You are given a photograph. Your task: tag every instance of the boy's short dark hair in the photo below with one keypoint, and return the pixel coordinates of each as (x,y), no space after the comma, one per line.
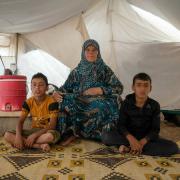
(40,75)
(142,76)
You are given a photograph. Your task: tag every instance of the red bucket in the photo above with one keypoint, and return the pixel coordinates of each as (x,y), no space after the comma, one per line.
(12,92)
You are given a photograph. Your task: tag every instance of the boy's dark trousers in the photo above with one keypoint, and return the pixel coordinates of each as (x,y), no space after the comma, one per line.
(158,147)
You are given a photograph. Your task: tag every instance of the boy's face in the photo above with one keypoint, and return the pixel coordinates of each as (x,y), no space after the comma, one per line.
(38,87)
(141,88)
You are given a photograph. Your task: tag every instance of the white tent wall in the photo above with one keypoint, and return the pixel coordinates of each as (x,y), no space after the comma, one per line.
(8,50)
(63,41)
(166,9)
(8,41)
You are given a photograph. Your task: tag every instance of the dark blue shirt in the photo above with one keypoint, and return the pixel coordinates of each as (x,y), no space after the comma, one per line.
(140,122)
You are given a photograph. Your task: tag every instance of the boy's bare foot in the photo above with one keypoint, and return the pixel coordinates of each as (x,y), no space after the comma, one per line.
(45,147)
(123,149)
(67,141)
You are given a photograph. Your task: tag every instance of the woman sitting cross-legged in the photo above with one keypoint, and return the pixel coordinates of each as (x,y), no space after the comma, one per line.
(90,97)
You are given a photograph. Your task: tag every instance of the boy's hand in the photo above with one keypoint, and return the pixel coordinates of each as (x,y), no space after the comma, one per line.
(93,91)
(19,142)
(143,142)
(134,144)
(57,96)
(30,140)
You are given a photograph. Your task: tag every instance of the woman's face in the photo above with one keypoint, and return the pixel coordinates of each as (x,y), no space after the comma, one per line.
(91,53)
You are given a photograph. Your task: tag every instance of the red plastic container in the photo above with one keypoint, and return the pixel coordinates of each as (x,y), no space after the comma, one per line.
(12,92)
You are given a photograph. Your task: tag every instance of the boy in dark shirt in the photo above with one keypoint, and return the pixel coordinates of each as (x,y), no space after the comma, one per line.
(139,123)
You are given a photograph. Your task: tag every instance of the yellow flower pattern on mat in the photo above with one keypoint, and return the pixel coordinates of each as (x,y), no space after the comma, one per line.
(50,177)
(153,177)
(164,163)
(77,163)
(77,150)
(77,177)
(54,163)
(143,164)
(59,149)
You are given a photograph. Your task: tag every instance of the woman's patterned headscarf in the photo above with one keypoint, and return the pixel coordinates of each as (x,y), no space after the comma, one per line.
(90,42)
(91,72)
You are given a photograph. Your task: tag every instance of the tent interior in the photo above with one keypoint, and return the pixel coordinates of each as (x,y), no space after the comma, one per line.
(129,43)
(134,36)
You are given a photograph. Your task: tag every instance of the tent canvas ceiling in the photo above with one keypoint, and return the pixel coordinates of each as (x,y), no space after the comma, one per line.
(20,16)
(167,10)
(33,15)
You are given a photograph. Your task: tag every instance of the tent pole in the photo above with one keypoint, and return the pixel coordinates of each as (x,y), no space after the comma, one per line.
(16,52)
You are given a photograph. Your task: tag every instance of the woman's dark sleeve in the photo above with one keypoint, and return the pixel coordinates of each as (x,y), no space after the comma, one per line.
(112,84)
(70,84)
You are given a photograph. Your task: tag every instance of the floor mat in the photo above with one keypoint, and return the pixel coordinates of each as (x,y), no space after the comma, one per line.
(84,160)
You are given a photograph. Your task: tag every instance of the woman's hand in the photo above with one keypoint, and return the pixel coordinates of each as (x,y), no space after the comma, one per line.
(93,91)
(57,96)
